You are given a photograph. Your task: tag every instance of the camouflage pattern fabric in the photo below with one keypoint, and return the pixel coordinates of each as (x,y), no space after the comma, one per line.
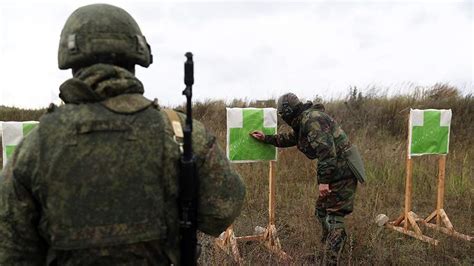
(334,246)
(318,136)
(340,202)
(330,211)
(94,186)
(99,82)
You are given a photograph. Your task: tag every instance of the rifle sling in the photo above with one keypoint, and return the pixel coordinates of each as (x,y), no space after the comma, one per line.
(175,123)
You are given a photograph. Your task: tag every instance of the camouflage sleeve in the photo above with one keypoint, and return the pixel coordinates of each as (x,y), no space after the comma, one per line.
(324,148)
(20,243)
(282,140)
(221,189)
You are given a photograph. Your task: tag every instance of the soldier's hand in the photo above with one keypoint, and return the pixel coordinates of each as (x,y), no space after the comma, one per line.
(259,135)
(324,190)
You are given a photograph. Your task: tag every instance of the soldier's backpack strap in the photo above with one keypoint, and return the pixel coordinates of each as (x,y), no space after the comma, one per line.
(177,127)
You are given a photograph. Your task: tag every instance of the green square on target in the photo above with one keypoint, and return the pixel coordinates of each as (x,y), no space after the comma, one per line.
(243,147)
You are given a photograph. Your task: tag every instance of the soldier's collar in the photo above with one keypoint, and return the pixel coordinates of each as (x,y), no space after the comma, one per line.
(127,103)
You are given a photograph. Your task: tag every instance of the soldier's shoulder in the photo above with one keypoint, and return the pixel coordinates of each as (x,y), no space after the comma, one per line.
(55,112)
(311,115)
(314,114)
(317,120)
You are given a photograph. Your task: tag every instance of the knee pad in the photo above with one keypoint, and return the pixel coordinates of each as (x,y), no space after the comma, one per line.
(334,222)
(321,213)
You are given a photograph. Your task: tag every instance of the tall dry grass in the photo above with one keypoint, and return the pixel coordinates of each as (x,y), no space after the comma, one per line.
(377,124)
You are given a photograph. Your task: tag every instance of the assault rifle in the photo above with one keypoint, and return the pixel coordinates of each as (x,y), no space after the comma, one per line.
(188,178)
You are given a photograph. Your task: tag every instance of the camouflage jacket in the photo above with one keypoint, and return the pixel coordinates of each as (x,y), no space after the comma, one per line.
(97,183)
(319,137)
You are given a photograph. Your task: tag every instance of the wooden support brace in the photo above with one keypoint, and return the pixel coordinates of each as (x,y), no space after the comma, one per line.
(445,220)
(413,234)
(272,243)
(235,250)
(448,232)
(431,217)
(268,237)
(416,228)
(228,243)
(409,218)
(412,219)
(250,238)
(399,220)
(448,227)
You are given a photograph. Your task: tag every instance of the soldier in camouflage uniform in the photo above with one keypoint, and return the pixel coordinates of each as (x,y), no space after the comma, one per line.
(319,137)
(96,183)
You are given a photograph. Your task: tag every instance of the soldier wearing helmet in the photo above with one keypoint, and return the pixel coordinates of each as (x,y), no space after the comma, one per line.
(319,137)
(97,181)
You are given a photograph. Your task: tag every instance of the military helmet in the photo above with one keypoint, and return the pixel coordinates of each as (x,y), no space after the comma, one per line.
(102,33)
(287,104)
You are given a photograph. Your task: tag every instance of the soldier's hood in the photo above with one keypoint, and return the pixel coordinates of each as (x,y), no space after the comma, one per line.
(99,82)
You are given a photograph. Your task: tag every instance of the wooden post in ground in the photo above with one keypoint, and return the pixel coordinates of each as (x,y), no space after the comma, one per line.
(443,224)
(271,193)
(441,178)
(408,190)
(408,217)
(268,237)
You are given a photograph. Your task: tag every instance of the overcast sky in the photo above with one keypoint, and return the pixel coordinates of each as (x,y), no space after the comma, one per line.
(255,50)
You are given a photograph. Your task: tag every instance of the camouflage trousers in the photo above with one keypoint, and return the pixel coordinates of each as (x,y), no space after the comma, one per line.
(330,211)
(340,202)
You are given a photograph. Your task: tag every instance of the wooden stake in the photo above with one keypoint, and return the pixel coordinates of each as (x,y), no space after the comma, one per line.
(271,193)
(411,219)
(431,216)
(413,234)
(443,224)
(441,178)
(408,190)
(408,217)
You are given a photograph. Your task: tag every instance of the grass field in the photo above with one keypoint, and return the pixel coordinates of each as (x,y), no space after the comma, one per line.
(377,125)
